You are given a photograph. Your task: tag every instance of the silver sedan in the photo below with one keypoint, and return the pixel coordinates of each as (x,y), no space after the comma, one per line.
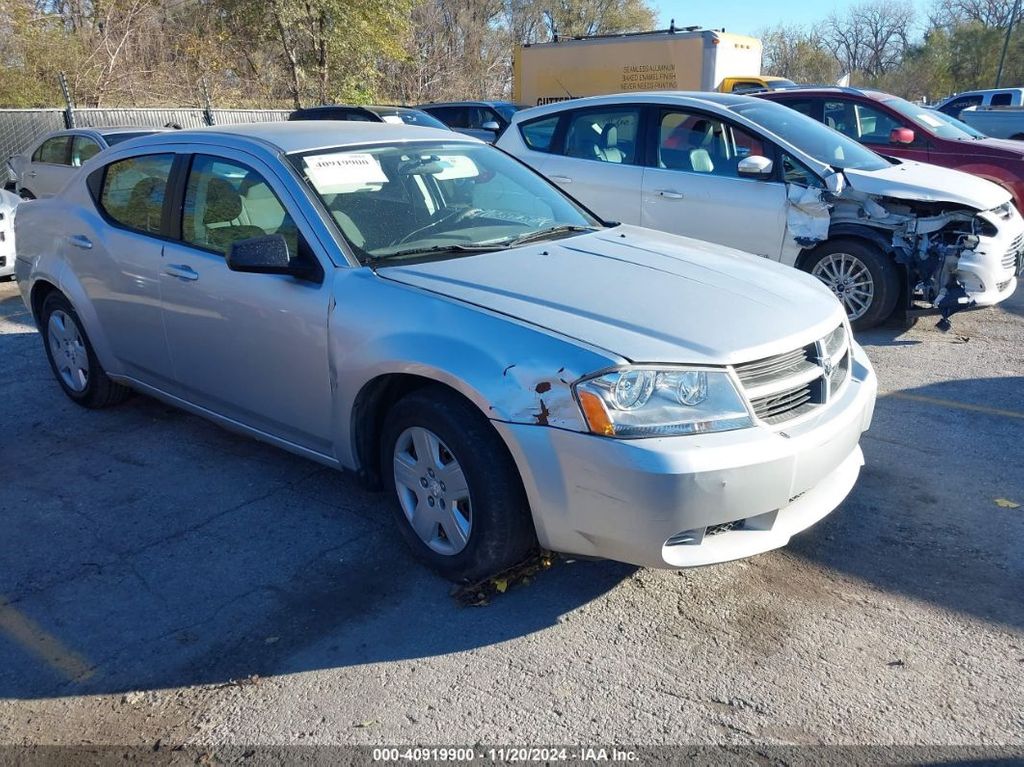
(427,312)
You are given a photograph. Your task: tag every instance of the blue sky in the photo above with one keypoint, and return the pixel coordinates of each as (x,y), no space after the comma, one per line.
(748,16)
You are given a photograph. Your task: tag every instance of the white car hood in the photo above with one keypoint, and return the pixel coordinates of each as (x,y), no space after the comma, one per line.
(642,295)
(920,181)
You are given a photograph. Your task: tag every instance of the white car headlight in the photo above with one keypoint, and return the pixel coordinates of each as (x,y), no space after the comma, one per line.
(661,402)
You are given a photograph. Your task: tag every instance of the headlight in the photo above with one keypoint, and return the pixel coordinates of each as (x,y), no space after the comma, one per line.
(661,402)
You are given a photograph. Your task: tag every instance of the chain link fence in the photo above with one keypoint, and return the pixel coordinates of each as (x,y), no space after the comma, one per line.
(21,128)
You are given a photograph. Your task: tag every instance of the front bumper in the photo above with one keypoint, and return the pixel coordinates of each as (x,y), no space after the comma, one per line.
(989,272)
(625,499)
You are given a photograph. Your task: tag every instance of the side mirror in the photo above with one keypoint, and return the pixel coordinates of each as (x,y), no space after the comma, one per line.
(491,126)
(901,136)
(755,166)
(260,255)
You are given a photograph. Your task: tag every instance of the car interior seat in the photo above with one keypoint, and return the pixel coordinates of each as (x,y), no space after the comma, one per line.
(146,203)
(221,217)
(584,143)
(610,144)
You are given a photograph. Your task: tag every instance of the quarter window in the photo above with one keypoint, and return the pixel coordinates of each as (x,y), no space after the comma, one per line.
(133,191)
(698,143)
(538,134)
(226,202)
(607,136)
(860,121)
(53,150)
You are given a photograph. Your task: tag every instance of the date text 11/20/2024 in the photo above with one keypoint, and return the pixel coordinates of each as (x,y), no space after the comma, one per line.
(504,754)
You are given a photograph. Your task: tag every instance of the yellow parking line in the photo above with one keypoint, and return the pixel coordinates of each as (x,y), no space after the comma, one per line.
(956,405)
(43,645)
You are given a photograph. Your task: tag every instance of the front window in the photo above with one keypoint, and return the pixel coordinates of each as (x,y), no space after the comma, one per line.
(411,117)
(860,121)
(507,111)
(811,137)
(699,143)
(435,200)
(936,124)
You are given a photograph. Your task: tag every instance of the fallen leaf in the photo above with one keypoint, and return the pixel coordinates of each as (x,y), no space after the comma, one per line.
(367,723)
(1005,503)
(501,585)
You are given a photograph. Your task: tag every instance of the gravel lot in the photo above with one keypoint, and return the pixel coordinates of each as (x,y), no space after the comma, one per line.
(163,579)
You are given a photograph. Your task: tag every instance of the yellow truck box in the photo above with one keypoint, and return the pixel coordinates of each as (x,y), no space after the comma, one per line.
(690,59)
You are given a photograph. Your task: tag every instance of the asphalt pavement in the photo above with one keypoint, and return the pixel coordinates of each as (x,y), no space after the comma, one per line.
(165,581)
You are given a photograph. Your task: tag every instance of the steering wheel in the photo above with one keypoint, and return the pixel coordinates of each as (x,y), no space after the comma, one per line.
(452,215)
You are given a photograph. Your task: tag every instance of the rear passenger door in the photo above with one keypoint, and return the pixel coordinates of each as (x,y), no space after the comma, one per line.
(692,186)
(599,161)
(249,347)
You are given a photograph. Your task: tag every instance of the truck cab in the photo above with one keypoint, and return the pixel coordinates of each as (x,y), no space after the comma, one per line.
(754,83)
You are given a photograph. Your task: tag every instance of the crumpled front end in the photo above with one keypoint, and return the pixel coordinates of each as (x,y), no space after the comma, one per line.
(955,256)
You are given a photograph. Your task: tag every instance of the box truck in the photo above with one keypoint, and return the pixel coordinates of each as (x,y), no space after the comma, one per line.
(688,58)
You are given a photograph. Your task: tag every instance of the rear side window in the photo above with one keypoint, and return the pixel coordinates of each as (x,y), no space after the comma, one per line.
(605,136)
(803,106)
(1002,99)
(539,134)
(134,189)
(53,150)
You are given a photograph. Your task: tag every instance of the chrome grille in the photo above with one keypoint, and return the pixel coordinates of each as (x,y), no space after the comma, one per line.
(1010,257)
(788,385)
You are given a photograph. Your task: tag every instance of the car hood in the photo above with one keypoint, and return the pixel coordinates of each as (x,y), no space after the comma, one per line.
(909,180)
(1004,148)
(642,295)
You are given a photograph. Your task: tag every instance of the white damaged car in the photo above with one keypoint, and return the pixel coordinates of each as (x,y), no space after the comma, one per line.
(763,178)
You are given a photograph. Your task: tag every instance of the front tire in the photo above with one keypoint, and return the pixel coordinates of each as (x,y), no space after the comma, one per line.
(72,358)
(863,278)
(458,498)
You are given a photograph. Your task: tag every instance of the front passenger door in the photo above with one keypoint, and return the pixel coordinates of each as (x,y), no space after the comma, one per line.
(250,347)
(694,189)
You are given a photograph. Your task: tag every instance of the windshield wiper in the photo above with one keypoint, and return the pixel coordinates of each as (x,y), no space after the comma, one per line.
(438,250)
(543,234)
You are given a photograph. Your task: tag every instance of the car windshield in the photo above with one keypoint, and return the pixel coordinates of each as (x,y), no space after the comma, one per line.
(436,200)
(506,110)
(936,123)
(810,136)
(409,117)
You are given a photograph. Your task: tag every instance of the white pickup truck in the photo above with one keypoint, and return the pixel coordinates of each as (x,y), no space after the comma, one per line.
(996,122)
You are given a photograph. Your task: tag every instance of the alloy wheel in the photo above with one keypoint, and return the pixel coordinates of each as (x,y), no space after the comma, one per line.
(849,279)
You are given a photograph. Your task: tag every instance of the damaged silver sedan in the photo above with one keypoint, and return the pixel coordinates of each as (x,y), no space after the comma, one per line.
(425,311)
(766,179)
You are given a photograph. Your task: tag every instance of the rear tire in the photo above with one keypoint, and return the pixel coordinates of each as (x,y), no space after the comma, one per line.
(458,498)
(864,279)
(72,358)
(25,194)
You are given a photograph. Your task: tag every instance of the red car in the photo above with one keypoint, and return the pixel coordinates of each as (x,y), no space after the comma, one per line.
(897,128)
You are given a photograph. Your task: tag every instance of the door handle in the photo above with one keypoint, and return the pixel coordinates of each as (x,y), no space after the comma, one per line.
(32,174)
(670,194)
(561,179)
(80,241)
(182,272)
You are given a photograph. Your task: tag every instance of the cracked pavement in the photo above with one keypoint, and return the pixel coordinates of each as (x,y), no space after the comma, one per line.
(164,579)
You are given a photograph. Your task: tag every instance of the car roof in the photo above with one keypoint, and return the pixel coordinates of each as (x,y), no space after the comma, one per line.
(835,89)
(702,99)
(306,135)
(468,103)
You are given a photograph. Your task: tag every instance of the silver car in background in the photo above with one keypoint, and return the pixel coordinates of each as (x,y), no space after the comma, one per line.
(44,168)
(419,308)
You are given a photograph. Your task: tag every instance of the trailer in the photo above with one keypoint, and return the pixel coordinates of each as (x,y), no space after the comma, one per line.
(687,58)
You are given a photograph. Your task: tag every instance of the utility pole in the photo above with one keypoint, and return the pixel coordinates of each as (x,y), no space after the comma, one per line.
(1006,42)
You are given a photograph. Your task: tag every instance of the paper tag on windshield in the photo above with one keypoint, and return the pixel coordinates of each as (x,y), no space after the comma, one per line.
(928,119)
(456,166)
(343,169)
(393,119)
